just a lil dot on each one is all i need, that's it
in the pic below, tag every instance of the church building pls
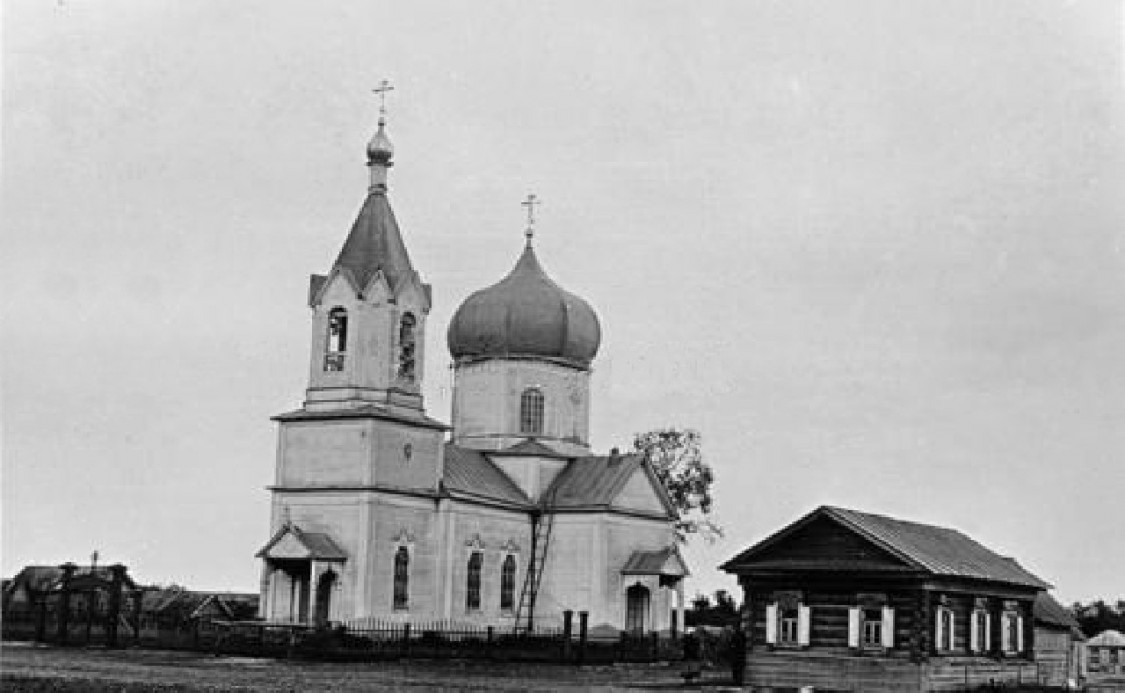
(507, 517)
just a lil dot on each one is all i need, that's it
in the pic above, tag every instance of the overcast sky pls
(873, 251)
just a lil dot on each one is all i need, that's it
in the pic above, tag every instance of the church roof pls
(528, 448)
(375, 243)
(595, 481)
(470, 472)
(368, 412)
(666, 561)
(525, 315)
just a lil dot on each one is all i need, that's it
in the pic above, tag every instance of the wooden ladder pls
(540, 543)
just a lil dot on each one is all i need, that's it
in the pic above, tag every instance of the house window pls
(402, 577)
(980, 631)
(789, 630)
(472, 583)
(406, 347)
(1012, 633)
(531, 411)
(872, 627)
(337, 340)
(508, 583)
(945, 624)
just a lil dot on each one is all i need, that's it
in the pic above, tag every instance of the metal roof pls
(1049, 612)
(375, 243)
(469, 472)
(320, 546)
(593, 480)
(666, 561)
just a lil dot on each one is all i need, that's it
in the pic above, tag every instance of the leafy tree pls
(676, 458)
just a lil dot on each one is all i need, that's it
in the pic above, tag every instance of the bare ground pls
(26, 667)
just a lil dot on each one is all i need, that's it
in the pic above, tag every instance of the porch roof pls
(301, 545)
(666, 562)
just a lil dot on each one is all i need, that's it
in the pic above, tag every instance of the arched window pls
(406, 344)
(337, 340)
(402, 577)
(508, 583)
(531, 411)
(472, 586)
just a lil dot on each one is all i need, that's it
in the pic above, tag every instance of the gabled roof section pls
(1047, 611)
(925, 548)
(375, 243)
(471, 474)
(317, 546)
(595, 481)
(667, 562)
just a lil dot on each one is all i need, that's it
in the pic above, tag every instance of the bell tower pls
(369, 312)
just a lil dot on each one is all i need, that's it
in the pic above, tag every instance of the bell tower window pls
(406, 347)
(337, 342)
(531, 411)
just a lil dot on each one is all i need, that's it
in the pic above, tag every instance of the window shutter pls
(771, 624)
(888, 627)
(1019, 633)
(853, 626)
(987, 632)
(803, 624)
(1005, 636)
(974, 632)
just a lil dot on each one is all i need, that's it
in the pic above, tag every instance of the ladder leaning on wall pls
(543, 521)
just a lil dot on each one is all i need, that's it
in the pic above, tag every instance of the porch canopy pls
(291, 543)
(667, 563)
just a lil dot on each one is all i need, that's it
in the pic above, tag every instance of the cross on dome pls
(381, 90)
(530, 203)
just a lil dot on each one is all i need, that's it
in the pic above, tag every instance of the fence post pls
(406, 640)
(488, 646)
(568, 629)
(583, 621)
(655, 645)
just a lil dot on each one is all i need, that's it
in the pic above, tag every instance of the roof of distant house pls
(1107, 638)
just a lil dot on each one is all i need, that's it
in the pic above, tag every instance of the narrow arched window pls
(402, 577)
(508, 583)
(406, 347)
(472, 584)
(531, 411)
(337, 340)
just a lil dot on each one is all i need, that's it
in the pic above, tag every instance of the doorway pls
(637, 600)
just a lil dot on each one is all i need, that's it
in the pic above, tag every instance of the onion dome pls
(525, 315)
(379, 149)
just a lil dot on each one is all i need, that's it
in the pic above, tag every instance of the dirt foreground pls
(28, 667)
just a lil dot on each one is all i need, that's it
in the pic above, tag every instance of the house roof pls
(666, 561)
(1107, 638)
(927, 548)
(375, 243)
(1049, 612)
(42, 578)
(471, 473)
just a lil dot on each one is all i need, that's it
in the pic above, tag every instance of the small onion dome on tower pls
(379, 149)
(525, 315)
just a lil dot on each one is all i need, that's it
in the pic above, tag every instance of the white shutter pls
(939, 631)
(803, 625)
(888, 627)
(987, 632)
(1005, 634)
(771, 624)
(853, 626)
(1019, 633)
(974, 632)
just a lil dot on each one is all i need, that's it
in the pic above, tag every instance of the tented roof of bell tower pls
(375, 243)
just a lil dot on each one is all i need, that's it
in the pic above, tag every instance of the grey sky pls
(872, 250)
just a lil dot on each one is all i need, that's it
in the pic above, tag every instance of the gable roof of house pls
(470, 473)
(1107, 638)
(927, 548)
(1046, 611)
(43, 578)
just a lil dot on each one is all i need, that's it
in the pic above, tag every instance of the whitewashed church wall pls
(624, 535)
(402, 521)
(368, 341)
(488, 394)
(496, 533)
(575, 559)
(359, 453)
(406, 457)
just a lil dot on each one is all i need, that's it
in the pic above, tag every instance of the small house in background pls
(177, 606)
(1060, 645)
(842, 599)
(33, 583)
(1106, 652)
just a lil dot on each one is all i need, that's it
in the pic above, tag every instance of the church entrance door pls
(324, 587)
(636, 608)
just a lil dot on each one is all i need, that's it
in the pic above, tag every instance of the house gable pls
(819, 544)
